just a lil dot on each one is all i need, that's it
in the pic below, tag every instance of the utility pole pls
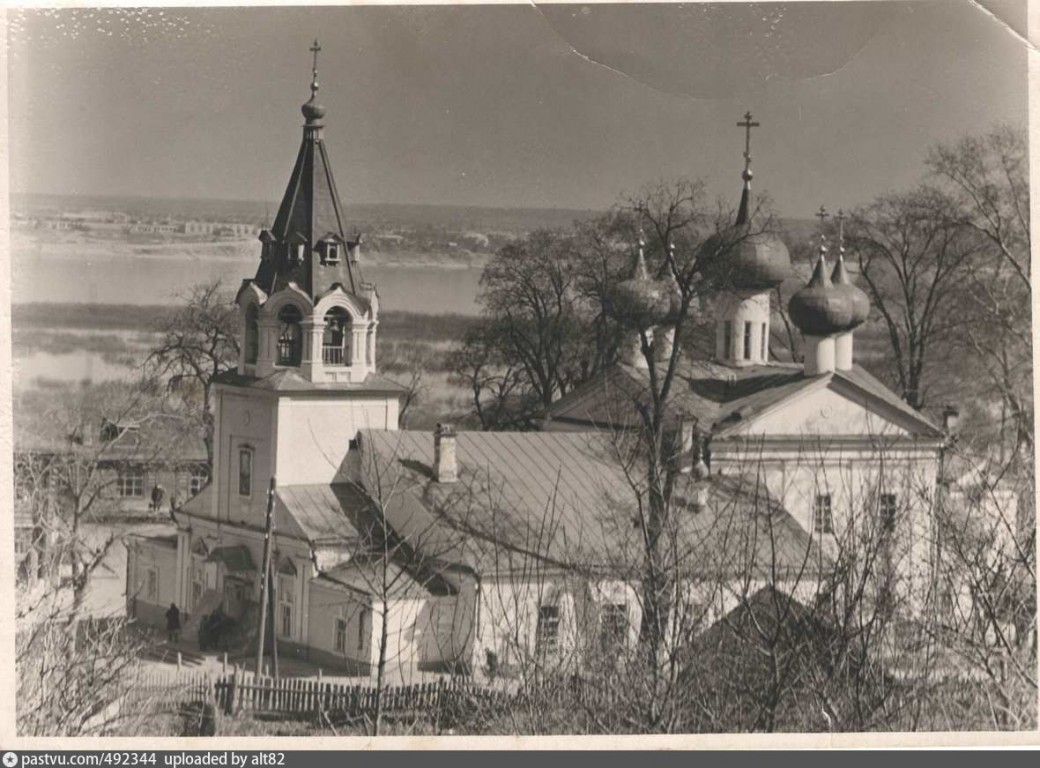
(265, 573)
(272, 592)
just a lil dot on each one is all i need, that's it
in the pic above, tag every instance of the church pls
(479, 550)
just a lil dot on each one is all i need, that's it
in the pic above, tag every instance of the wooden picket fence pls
(241, 691)
(169, 690)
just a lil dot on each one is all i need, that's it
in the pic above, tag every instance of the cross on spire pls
(841, 229)
(747, 125)
(315, 49)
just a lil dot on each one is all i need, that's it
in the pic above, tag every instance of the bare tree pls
(196, 344)
(912, 258)
(988, 175)
(70, 463)
(987, 178)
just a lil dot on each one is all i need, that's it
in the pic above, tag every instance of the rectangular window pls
(887, 513)
(727, 339)
(297, 252)
(613, 626)
(332, 253)
(340, 638)
(151, 590)
(196, 479)
(286, 601)
(548, 633)
(765, 342)
(747, 341)
(823, 520)
(362, 628)
(130, 483)
(245, 472)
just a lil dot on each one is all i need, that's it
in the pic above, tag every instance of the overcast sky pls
(562, 106)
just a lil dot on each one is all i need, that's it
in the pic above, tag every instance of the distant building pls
(134, 472)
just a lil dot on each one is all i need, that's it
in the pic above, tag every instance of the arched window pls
(252, 334)
(290, 336)
(335, 349)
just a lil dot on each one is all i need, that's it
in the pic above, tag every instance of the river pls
(160, 280)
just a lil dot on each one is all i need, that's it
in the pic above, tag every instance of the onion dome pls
(742, 261)
(860, 301)
(738, 258)
(640, 302)
(758, 261)
(312, 110)
(821, 308)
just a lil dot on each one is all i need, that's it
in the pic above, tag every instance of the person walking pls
(173, 624)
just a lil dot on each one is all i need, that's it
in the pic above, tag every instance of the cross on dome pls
(747, 125)
(315, 49)
(745, 195)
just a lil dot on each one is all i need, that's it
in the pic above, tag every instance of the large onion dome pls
(821, 308)
(860, 301)
(746, 261)
(640, 302)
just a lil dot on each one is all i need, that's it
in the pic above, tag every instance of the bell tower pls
(308, 310)
(306, 380)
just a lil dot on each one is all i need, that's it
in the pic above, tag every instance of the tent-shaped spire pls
(308, 242)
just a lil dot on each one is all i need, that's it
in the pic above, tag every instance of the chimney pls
(445, 463)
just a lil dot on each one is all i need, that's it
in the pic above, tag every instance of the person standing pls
(173, 623)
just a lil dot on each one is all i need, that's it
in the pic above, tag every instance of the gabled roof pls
(565, 499)
(156, 441)
(718, 397)
(322, 514)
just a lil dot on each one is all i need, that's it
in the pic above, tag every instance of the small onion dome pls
(640, 302)
(754, 262)
(821, 308)
(312, 110)
(860, 301)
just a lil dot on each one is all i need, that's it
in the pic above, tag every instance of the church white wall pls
(144, 556)
(823, 411)
(329, 603)
(738, 309)
(314, 435)
(244, 421)
(854, 479)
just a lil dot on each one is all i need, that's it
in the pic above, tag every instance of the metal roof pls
(569, 499)
(717, 396)
(291, 381)
(322, 514)
(310, 211)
